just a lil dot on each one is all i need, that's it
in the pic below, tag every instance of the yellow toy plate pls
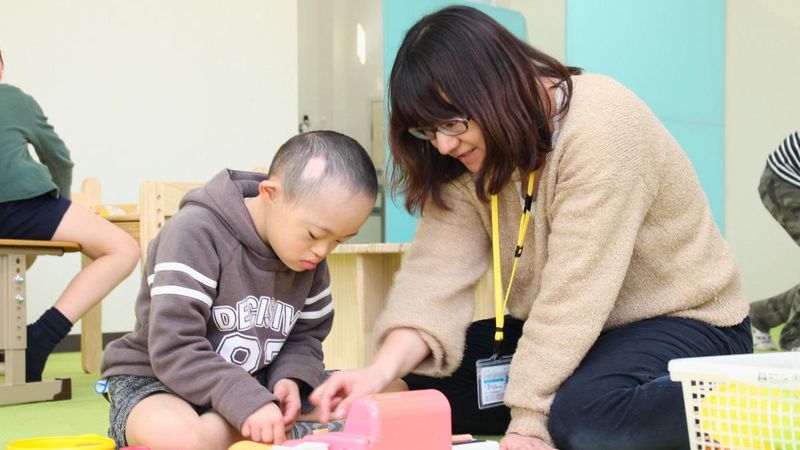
(82, 442)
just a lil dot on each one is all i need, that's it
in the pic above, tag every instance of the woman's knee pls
(582, 418)
(573, 427)
(648, 416)
(567, 422)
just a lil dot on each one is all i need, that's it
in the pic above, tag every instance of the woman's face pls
(468, 147)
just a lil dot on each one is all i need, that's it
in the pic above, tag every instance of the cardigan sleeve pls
(603, 192)
(433, 292)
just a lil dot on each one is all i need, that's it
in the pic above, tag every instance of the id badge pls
(492, 376)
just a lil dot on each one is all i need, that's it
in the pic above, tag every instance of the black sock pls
(43, 335)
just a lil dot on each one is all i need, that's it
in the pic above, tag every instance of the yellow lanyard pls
(499, 301)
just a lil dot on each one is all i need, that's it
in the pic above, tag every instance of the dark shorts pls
(34, 218)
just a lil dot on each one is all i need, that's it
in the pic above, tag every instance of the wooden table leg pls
(91, 334)
(360, 285)
(13, 337)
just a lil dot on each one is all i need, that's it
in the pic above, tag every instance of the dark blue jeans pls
(619, 398)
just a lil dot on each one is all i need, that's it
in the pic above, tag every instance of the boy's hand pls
(265, 425)
(288, 394)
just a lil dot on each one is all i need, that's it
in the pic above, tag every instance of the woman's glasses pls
(452, 127)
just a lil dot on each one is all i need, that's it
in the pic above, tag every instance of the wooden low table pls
(361, 276)
(13, 322)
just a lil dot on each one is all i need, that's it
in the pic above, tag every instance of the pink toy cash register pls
(391, 421)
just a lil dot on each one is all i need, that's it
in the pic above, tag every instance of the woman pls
(621, 269)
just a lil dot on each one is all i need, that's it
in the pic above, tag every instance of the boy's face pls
(304, 231)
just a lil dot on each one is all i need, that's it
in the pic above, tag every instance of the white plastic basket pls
(741, 402)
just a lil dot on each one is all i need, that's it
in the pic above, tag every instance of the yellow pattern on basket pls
(746, 416)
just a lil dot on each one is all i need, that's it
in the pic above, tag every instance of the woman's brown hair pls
(460, 61)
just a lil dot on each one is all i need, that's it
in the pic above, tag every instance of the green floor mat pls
(85, 413)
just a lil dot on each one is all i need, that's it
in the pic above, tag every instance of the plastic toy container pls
(82, 442)
(741, 402)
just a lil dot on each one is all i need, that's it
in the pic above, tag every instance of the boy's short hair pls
(345, 161)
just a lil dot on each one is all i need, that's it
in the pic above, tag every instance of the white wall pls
(762, 107)
(315, 62)
(335, 89)
(152, 89)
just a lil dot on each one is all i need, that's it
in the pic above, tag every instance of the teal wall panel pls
(672, 54)
(398, 17)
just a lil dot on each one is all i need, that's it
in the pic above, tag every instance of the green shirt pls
(22, 122)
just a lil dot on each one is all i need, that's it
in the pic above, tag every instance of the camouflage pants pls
(782, 200)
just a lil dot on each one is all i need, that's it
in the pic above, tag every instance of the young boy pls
(236, 301)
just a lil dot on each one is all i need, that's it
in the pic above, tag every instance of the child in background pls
(236, 300)
(35, 205)
(780, 193)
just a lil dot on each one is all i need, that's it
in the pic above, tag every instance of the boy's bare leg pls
(223, 431)
(166, 421)
(114, 254)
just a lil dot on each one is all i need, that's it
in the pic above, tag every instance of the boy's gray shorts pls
(125, 392)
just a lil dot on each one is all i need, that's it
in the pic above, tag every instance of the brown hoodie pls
(217, 308)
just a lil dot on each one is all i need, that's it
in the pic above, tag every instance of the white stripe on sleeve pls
(325, 292)
(186, 292)
(180, 267)
(311, 315)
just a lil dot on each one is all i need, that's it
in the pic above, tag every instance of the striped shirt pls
(785, 161)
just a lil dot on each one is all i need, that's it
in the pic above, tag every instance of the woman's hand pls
(513, 441)
(342, 388)
(401, 351)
